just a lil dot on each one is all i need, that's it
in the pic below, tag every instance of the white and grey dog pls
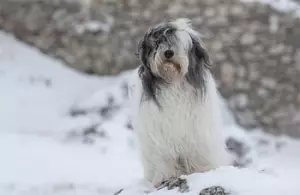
(176, 109)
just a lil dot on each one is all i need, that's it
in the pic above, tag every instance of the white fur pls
(187, 127)
(185, 24)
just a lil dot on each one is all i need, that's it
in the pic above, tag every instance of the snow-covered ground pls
(63, 132)
(42, 150)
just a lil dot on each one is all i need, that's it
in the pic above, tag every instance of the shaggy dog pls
(176, 109)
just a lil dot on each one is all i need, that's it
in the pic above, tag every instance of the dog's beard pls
(169, 70)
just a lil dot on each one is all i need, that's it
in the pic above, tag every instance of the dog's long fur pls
(177, 121)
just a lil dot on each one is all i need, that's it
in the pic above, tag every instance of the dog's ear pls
(199, 60)
(200, 53)
(142, 52)
(139, 48)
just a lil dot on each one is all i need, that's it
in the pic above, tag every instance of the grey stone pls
(237, 147)
(179, 183)
(214, 190)
(248, 39)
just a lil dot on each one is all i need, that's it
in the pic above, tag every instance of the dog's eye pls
(158, 41)
(156, 35)
(169, 31)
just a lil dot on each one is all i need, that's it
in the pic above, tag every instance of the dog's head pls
(172, 51)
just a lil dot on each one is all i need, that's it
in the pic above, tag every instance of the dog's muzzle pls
(170, 59)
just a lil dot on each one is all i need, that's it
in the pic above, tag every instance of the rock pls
(248, 39)
(179, 183)
(236, 147)
(118, 192)
(240, 151)
(214, 190)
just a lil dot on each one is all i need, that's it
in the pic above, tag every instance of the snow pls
(38, 146)
(94, 26)
(281, 5)
(63, 132)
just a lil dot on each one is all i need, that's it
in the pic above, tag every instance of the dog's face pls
(173, 51)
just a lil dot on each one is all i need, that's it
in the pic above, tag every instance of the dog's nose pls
(169, 53)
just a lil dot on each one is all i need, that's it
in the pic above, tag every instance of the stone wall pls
(255, 49)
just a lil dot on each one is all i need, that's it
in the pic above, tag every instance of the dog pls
(176, 114)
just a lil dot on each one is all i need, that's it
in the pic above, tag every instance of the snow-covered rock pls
(223, 181)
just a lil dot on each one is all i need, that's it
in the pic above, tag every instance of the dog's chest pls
(178, 119)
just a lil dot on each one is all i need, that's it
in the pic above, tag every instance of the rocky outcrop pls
(254, 48)
(222, 181)
(213, 190)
